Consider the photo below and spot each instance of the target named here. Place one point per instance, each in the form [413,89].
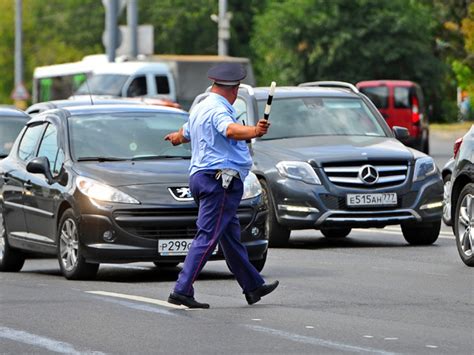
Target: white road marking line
[126,266]
[315,341]
[390,338]
[431,346]
[368,336]
[309,327]
[137,298]
[257,319]
[41,342]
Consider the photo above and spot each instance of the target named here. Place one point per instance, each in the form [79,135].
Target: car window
[401,97]
[9,130]
[377,94]
[162,84]
[240,107]
[103,84]
[49,148]
[126,135]
[137,87]
[28,143]
[318,116]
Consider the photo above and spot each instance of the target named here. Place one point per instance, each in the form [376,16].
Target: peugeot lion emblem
[181,193]
[368,174]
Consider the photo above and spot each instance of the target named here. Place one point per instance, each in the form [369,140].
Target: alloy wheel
[466,225]
[68,245]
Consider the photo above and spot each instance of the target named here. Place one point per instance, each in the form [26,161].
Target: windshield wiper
[152,157]
[101,159]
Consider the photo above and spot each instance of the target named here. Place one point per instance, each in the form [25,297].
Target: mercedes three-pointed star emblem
[368,174]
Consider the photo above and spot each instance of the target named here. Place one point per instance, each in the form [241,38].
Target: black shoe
[255,295]
[190,302]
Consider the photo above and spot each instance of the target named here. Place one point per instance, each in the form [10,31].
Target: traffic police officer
[219,164]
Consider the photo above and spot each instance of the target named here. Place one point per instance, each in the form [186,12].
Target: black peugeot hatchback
[95,184]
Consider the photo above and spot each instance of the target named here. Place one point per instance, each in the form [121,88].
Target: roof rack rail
[333,84]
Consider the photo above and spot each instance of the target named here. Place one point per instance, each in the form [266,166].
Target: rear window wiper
[152,157]
[3,156]
[101,159]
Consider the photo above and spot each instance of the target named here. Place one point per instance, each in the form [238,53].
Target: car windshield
[9,129]
[103,84]
[125,136]
[319,116]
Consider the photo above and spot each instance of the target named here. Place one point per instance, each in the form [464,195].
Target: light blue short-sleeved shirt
[211,149]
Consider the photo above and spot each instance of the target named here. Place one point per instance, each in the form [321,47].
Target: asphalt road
[368,293]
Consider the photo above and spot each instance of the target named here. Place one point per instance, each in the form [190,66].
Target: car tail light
[415,111]
[457,145]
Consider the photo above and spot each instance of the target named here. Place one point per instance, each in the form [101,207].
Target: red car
[401,103]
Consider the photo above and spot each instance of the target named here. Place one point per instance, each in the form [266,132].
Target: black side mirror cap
[401,133]
[40,165]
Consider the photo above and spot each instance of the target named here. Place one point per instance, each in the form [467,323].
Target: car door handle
[27,185]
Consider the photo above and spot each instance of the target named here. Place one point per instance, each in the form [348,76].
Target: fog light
[255,231]
[108,236]
[432,205]
[301,209]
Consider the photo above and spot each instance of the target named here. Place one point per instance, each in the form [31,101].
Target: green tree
[54,31]
[307,40]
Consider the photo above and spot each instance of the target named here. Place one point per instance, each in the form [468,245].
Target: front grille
[164,224]
[390,173]
[154,232]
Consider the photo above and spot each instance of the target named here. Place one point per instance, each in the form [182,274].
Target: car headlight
[101,192]
[424,167]
[298,170]
[252,187]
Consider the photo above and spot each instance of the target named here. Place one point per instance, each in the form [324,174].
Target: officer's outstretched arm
[240,132]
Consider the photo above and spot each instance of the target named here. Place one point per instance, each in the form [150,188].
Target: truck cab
[130,79]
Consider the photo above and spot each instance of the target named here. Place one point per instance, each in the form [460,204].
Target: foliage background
[290,41]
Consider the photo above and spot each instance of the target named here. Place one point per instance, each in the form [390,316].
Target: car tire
[464,225]
[447,200]
[11,260]
[72,263]
[278,235]
[423,233]
[335,232]
[166,263]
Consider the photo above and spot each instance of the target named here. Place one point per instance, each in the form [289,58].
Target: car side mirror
[401,133]
[40,165]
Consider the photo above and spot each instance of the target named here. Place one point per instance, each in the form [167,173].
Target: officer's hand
[174,138]
[262,127]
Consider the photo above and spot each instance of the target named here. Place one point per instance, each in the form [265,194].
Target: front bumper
[134,232]
[303,206]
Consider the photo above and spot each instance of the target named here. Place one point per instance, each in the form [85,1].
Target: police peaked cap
[227,73]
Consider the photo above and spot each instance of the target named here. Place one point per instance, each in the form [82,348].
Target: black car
[96,184]
[330,162]
[11,123]
[462,197]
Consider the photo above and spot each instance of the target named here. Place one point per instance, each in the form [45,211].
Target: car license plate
[175,247]
[382,199]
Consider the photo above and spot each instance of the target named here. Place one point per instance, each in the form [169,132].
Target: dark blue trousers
[217,223]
